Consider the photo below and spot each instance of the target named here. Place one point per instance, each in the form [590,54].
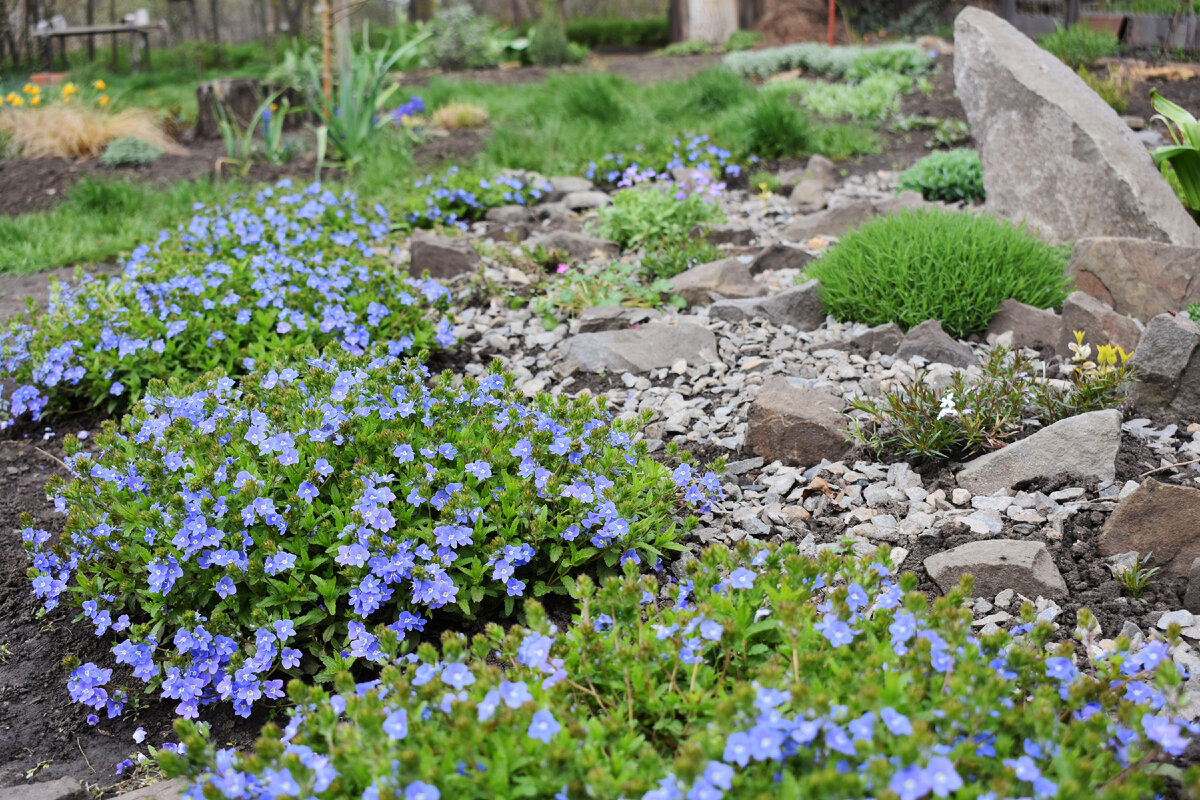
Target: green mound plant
[652,215]
[717,89]
[774,128]
[756,675]
[950,175]
[933,264]
[129,151]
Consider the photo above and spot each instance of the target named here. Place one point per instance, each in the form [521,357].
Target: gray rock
[798,306]
[1100,324]
[1183,618]
[997,565]
[808,195]
[1135,276]
[564,185]
[884,339]
[509,215]
[163,790]
[584,201]
[796,425]
[929,341]
[1055,154]
[443,257]
[1191,599]
[1084,445]
[580,246]
[614,318]
[1167,363]
[1160,519]
[61,789]
[729,233]
[1036,328]
[728,277]
[779,256]
[831,221]
[656,345]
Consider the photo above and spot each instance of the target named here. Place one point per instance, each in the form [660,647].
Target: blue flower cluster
[458,198]
[288,267]
[336,493]
[778,735]
[697,153]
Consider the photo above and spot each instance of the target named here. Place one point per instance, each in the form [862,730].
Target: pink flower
[562,268]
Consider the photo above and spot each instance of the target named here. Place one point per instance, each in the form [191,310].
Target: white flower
[948,408]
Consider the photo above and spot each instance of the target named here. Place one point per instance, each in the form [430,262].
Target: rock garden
[820,422]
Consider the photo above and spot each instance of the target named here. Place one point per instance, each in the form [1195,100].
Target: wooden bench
[139,40]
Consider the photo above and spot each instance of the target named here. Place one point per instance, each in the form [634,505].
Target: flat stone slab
[1160,520]
[798,306]
[1084,445]
[655,345]
[998,564]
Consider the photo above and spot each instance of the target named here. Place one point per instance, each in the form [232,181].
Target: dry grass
[78,132]
[456,116]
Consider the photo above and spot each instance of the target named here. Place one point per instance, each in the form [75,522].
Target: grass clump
[129,151]
[952,267]
[774,128]
[458,116]
[354,489]
[79,131]
[743,40]
[760,674]
[967,417]
[716,89]
[950,175]
[1112,88]
[1080,46]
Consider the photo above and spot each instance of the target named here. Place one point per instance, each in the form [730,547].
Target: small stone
[960,497]
[1004,598]
[999,564]
[1183,618]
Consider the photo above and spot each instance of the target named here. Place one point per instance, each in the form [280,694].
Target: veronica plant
[229,531]
[230,286]
[761,675]
[691,154]
[457,197]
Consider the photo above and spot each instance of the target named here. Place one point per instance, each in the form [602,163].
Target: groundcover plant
[759,675]
[283,268]
[230,531]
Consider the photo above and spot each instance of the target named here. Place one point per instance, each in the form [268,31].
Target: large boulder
[796,425]
[1167,365]
[798,306]
[727,277]
[1084,445]
[1030,326]
[1159,519]
[998,564]
[652,346]
[1136,276]
[1054,154]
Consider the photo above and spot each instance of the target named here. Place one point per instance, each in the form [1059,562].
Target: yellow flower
[15,100]
[103,100]
[30,88]
[101,85]
[69,88]
[33,101]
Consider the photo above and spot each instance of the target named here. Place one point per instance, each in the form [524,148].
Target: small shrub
[952,267]
[616,284]
[1112,89]
[743,40]
[774,128]
[949,133]
[717,89]
[765,181]
[1080,46]
[671,258]
[848,62]
[231,531]
[549,46]
[461,39]
[457,116]
[129,151]
[968,417]
[762,675]
[596,32]
[595,96]
[950,175]
[232,285]
[1193,312]
[457,197]
[874,98]
[648,217]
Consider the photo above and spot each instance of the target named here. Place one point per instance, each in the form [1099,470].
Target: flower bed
[232,530]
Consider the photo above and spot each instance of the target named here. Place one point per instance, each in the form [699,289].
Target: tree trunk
[214,9]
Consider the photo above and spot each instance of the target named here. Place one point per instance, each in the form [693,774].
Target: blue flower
[742,578]
[543,726]
[457,675]
[421,791]
[910,783]
[396,724]
[942,777]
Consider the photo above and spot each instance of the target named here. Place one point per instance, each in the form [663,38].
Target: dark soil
[1185,93]
[33,184]
[460,146]
[43,734]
